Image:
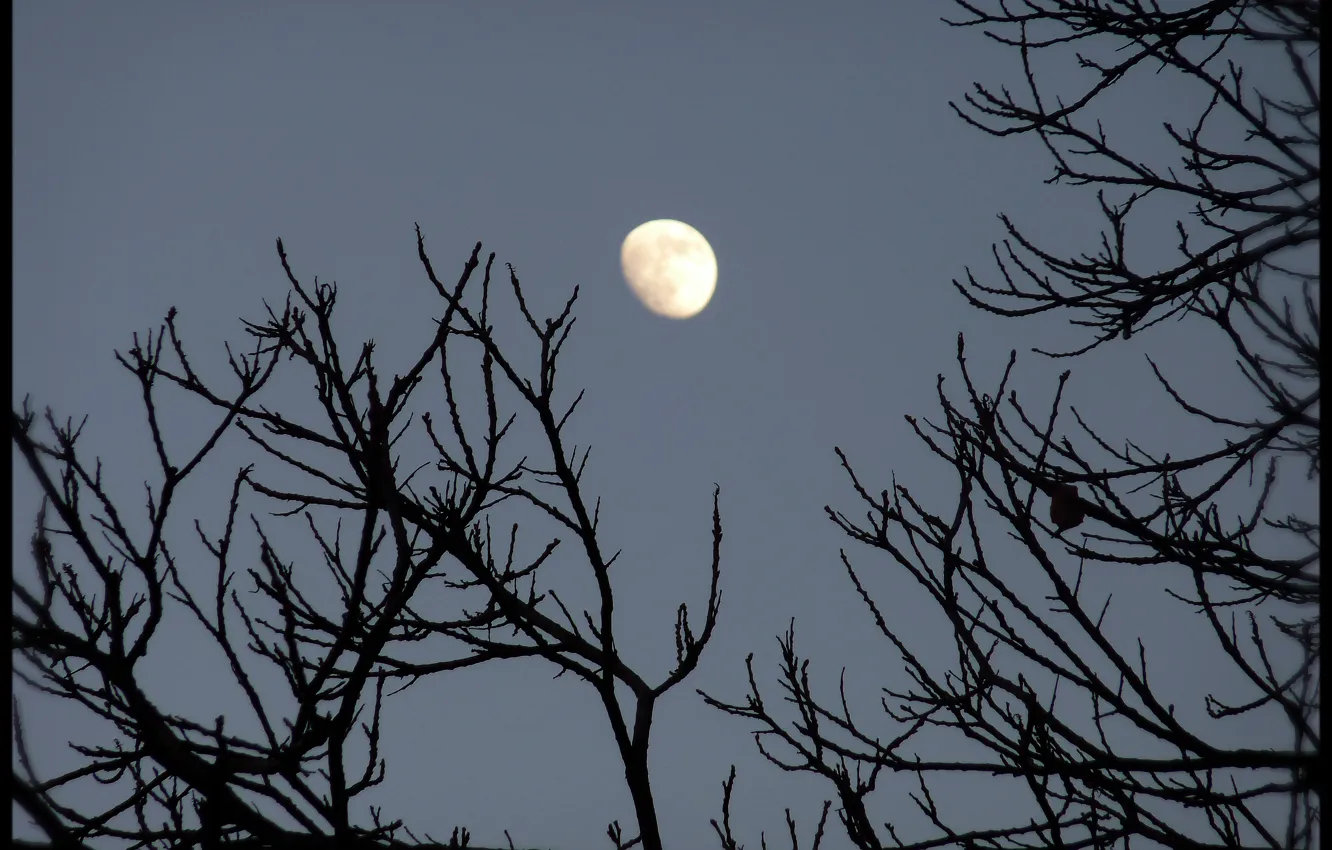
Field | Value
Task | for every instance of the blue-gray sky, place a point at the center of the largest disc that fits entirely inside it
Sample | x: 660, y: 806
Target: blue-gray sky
x: 159, y: 149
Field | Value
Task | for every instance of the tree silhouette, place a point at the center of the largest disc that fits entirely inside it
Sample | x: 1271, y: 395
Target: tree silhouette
x: 1038, y: 685
x: 1057, y: 704
x: 420, y: 540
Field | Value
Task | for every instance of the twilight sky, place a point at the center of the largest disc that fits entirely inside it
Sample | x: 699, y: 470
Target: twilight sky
x: 159, y: 150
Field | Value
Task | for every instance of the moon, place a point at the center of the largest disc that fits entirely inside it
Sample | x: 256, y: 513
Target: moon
x: 670, y: 267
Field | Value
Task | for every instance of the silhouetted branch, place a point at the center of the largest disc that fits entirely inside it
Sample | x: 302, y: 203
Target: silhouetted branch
x: 1038, y: 683
x: 82, y: 631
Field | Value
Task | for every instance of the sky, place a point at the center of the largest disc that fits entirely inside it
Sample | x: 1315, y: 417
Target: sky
x: 160, y: 149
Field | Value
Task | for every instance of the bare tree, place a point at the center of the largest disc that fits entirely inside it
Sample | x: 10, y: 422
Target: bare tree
x: 104, y: 580
x: 1037, y: 684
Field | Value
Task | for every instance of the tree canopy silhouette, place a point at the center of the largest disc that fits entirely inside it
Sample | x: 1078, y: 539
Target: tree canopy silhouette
x: 421, y: 569
x: 1038, y: 686
x: 416, y: 528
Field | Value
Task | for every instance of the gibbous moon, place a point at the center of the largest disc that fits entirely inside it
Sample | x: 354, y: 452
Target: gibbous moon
x: 670, y: 267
